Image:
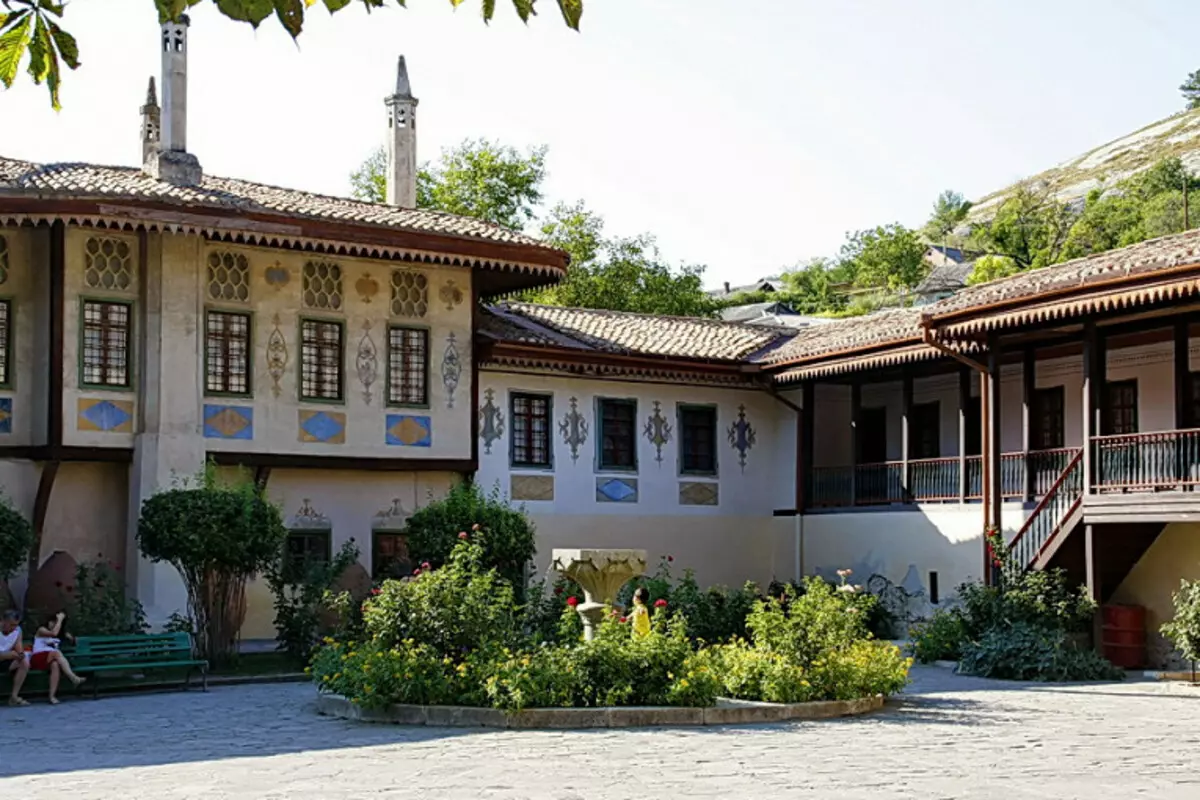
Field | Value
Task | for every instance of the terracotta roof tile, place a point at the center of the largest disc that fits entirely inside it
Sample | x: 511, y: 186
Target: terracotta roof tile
x: 854, y: 333
x: 1145, y: 258
x: 638, y: 334
x: 72, y: 180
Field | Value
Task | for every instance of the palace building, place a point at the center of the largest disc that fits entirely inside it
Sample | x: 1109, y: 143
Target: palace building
x: 360, y: 358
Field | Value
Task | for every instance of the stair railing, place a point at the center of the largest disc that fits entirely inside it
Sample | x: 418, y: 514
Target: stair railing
x: 1059, y: 502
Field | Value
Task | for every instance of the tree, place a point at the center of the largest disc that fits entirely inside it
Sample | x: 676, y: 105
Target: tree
x: 620, y: 273
x: 480, y: 179
x: 33, y: 26
x: 217, y: 536
x: 1191, y: 90
x: 949, y: 211
x: 990, y: 268
x: 1030, y: 227
x: 886, y: 257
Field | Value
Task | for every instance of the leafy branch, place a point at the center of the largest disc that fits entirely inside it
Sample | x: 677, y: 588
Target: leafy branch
x: 31, y: 26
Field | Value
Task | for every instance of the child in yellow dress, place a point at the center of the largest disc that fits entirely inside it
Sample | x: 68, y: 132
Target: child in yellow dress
x: 641, y: 613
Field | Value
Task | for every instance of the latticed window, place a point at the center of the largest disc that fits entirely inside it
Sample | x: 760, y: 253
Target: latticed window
x: 618, y: 434
x: 5, y: 341
x: 105, y: 357
x: 323, y: 285
x: 1048, y: 421
x: 530, y: 415
x: 698, y: 440
x: 306, y: 548
x: 3, y: 260
x: 1120, y: 413
x: 227, y: 352
x: 389, y: 556
x: 408, y: 366
x: 228, y: 277
x: 108, y: 264
x: 320, y: 360
x: 410, y: 294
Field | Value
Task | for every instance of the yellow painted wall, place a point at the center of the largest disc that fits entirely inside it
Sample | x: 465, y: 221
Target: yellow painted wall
x: 1173, y: 556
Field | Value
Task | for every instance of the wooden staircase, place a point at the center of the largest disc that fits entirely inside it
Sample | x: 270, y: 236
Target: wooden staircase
x: 1053, y: 519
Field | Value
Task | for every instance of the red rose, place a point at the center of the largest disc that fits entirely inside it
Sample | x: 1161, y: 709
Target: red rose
x: 557, y: 591
x: 572, y: 601
x: 462, y: 534
x: 417, y: 571
x: 660, y: 603
x: 376, y: 592
x: 670, y: 559
x: 623, y: 619
x: 425, y: 565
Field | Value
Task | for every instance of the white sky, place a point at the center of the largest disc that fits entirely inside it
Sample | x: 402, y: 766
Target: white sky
x: 745, y: 139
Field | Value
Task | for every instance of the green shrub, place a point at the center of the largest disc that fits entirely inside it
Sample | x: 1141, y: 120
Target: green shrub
x: 543, y: 612
x: 940, y: 638
x: 1184, y: 629
x: 863, y: 669
x: 1029, y: 652
x: 374, y: 676
x: 713, y: 615
x: 803, y: 628
x: 508, y: 547
x: 460, y: 607
x: 217, y: 536
x: 301, y: 589
x: 16, y: 539
x: 748, y: 673
x: 100, y: 606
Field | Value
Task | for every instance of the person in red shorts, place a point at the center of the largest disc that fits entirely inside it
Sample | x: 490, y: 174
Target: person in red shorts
x: 48, y: 658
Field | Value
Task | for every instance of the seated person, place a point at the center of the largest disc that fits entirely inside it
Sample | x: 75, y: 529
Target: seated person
x: 12, y: 655
x: 48, y: 658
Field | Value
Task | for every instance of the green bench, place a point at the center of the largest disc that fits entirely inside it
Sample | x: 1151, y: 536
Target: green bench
x: 94, y: 656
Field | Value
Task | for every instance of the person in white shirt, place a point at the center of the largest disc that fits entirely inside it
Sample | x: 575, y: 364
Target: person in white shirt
x: 12, y: 654
x: 48, y: 658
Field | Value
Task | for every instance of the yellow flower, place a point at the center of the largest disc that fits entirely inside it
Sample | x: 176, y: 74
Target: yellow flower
x: 337, y: 675
x: 462, y: 669
x: 328, y: 640
x: 683, y: 684
x: 308, y: 670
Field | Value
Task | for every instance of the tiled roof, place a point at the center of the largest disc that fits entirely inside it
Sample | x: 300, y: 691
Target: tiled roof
x: 1137, y: 260
x: 625, y: 333
x: 946, y: 278
x: 854, y: 333
x: 88, y: 181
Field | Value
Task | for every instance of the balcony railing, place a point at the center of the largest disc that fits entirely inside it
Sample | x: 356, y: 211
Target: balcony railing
x: 933, y: 480
x: 1147, y: 461
x: 1060, y: 499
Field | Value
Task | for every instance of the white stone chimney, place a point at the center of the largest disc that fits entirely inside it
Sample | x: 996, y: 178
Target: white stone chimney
x: 402, y: 142
x: 151, y: 123
x: 171, y: 161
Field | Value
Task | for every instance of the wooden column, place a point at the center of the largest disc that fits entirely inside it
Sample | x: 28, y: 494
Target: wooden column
x: 1091, y: 556
x: 1028, y: 384
x: 964, y: 402
x: 1183, y: 376
x: 997, y: 493
x: 906, y: 402
x: 1093, y: 388
x: 57, y: 318
x: 808, y: 413
x: 855, y: 445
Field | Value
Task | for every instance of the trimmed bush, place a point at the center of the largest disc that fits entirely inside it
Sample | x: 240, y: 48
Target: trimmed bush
x: 16, y: 539
x: 940, y: 638
x: 1029, y: 652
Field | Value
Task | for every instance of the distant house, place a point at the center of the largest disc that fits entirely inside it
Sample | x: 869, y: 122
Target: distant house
x: 771, y: 313
x: 949, y: 269
x: 771, y: 284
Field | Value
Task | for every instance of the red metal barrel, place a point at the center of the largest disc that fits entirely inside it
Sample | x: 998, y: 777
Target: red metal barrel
x: 1124, y: 635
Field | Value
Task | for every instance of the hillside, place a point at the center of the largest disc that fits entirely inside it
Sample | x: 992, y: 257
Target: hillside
x: 1177, y: 135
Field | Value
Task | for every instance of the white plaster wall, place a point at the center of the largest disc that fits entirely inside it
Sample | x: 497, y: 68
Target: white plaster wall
x: 733, y: 541
x: 26, y: 253
x: 946, y: 539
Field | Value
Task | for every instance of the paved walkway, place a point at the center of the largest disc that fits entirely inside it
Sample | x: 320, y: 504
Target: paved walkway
x: 949, y: 737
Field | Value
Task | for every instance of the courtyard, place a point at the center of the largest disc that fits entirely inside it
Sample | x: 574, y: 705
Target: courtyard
x: 948, y: 737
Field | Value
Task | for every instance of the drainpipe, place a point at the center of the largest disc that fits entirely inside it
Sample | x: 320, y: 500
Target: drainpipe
x: 985, y: 437
x: 798, y: 516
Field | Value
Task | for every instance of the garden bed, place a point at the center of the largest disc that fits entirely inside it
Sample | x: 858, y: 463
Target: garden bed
x: 725, y: 712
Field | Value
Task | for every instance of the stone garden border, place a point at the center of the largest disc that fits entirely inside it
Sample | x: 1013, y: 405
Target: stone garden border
x: 726, y: 712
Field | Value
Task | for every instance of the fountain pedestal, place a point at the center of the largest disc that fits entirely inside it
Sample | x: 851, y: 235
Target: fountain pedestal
x: 601, y: 574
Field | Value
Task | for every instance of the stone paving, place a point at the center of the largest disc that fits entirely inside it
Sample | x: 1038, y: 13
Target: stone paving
x: 948, y: 737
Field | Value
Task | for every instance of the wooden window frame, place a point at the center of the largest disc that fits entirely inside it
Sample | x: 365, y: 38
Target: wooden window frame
x: 376, y: 566
x: 1041, y: 415
x: 1108, y: 410
x: 682, y: 410
x: 865, y: 440
x: 341, y: 361
x: 393, y: 357
x: 326, y: 535
x: 6, y: 349
x: 531, y: 434
x: 601, y: 404
x: 249, y: 390
x: 130, y: 334
x: 918, y: 429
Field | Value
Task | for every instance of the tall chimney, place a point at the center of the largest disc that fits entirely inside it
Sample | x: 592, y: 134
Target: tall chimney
x: 402, y: 142
x: 171, y: 161
x: 151, y: 123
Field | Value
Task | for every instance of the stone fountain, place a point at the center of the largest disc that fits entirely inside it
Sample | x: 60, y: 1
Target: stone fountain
x: 601, y: 573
